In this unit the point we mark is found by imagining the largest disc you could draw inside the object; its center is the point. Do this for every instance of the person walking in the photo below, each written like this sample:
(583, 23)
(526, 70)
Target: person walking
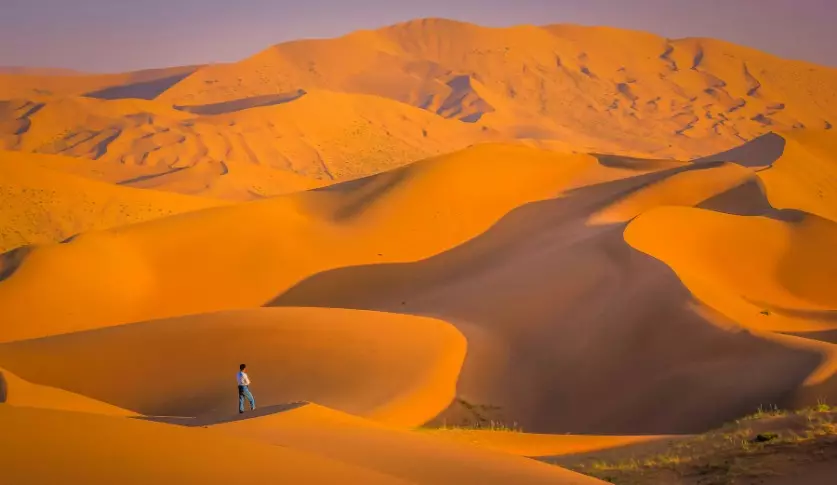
(244, 389)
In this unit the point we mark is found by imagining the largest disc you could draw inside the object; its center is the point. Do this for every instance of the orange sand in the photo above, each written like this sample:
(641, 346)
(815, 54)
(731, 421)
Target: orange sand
(431, 459)
(532, 444)
(91, 449)
(392, 368)
(15, 391)
(45, 206)
(194, 263)
(611, 290)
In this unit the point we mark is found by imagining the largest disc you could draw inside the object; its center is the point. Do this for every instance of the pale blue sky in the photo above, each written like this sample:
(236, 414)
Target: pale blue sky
(115, 35)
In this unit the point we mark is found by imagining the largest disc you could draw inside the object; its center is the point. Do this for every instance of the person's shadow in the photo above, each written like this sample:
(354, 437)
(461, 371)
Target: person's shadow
(215, 419)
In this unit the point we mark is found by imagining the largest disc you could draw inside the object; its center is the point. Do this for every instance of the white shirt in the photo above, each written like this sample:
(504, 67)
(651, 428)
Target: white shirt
(243, 379)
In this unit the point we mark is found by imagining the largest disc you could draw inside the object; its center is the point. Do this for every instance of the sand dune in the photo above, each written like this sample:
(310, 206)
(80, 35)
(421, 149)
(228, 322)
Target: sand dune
(44, 206)
(196, 263)
(242, 104)
(392, 368)
(240, 149)
(805, 177)
(432, 460)
(760, 260)
(511, 262)
(15, 391)
(85, 448)
(560, 292)
(144, 84)
(417, 89)
(688, 187)
(540, 445)
(669, 271)
(603, 89)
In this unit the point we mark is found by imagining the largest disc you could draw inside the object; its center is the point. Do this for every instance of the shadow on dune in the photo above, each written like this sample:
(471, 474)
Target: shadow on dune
(143, 178)
(631, 163)
(3, 388)
(750, 199)
(242, 104)
(827, 336)
(10, 261)
(760, 152)
(231, 418)
(572, 330)
(140, 90)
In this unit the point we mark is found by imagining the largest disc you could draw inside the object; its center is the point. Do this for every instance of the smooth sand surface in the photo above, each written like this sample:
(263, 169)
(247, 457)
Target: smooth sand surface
(46, 446)
(196, 263)
(688, 188)
(758, 259)
(392, 368)
(417, 456)
(15, 391)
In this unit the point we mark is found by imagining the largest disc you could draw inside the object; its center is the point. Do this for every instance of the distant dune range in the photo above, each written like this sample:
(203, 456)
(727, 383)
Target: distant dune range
(597, 237)
(379, 99)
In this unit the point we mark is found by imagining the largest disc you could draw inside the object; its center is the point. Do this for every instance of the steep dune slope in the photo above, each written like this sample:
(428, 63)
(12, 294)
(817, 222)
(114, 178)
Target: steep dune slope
(805, 177)
(244, 255)
(559, 313)
(758, 259)
(45, 206)
(45, 446)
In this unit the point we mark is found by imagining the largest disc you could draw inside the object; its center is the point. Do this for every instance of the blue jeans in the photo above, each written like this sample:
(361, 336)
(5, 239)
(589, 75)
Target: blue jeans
(242, 393)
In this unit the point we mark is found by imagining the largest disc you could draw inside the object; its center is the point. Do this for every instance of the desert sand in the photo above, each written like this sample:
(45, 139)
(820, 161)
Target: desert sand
(443, 250)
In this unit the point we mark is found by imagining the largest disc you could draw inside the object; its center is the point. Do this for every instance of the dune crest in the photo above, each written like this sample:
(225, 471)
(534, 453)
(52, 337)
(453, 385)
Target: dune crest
(589, 238)
(391, 368)
(86, 448)
(162, 266)
(15, 391)
(433, 460)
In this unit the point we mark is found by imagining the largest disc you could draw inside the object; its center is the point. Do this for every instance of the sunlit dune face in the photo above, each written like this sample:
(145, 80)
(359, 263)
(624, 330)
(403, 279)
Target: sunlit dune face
(440, 249)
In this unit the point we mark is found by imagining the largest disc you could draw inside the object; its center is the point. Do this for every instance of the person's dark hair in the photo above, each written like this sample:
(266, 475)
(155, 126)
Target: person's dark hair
(242, 366)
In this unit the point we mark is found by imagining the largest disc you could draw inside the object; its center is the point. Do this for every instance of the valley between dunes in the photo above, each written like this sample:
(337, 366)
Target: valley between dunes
(400, 234)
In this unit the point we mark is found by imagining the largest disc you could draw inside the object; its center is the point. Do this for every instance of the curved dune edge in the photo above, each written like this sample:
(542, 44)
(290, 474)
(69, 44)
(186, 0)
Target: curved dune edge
(757, 259)
(688, 186)
(539, 293)
(539, 445)
(194, 263)
(396, 369)
(431, 460)
(771, 277)
(15, 391)
(47, 446)
(805, 176)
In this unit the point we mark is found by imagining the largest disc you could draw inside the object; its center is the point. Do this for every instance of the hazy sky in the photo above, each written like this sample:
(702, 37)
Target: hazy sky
(114, 35)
